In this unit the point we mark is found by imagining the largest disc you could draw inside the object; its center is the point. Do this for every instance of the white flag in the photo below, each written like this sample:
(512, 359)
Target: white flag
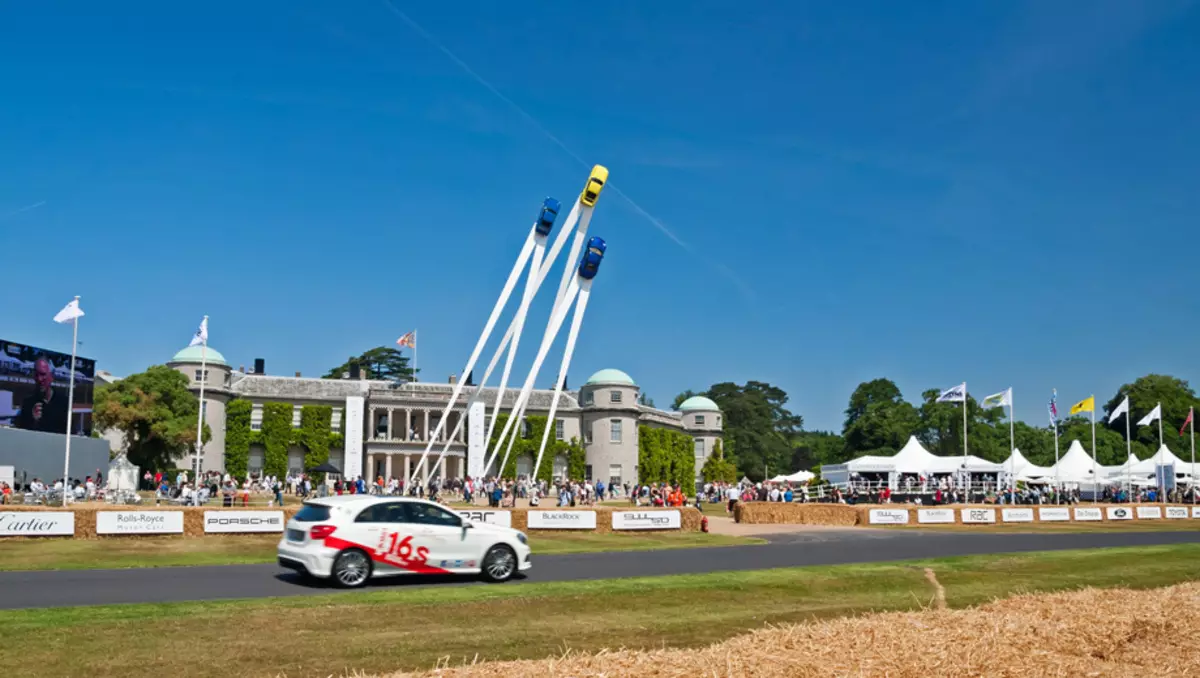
(1001, 399)
(1155, 415)
(1123, 408)
(956, 394)
(70, 312)
(201, 336)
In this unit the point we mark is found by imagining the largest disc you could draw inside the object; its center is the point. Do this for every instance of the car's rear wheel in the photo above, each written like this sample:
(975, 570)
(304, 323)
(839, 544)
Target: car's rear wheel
(500, 563)
(351, 569)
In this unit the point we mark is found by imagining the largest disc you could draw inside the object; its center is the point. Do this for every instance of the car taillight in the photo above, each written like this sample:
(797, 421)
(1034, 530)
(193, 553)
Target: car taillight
(321, 531)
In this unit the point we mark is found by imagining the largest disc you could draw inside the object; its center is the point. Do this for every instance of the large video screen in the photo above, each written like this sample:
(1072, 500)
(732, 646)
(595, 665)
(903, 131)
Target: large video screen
(34, 385)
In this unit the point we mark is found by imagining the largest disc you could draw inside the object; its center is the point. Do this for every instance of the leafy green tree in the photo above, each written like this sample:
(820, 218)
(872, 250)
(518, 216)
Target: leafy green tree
(942, 423)
(811, 449)
(1144, 394)
(878, 420)
(155, 412)
(757, 424)
(381, 362)
(646, 400)
(682, 397)
(718, 469)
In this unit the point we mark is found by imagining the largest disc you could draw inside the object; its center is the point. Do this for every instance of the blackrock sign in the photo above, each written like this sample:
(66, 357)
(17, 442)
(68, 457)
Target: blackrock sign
(501, 518)
(139, 522)
(562, 520)
(243, 521)
(37, 524)
(647, 520)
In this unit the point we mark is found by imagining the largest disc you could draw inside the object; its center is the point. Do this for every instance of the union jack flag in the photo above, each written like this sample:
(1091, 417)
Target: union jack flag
(1053, 407)
(409, 340)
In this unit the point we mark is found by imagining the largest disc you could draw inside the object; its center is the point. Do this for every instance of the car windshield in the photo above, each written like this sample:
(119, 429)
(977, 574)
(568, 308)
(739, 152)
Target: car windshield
(312, 513)
(595, 250)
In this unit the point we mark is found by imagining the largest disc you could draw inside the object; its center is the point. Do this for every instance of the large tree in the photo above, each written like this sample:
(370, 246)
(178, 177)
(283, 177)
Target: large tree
(757, 425)
(942, 425)
(682, 397)
(811, 449)
(156, 414)
(1145, 394)
(381, 362)
(878, 419)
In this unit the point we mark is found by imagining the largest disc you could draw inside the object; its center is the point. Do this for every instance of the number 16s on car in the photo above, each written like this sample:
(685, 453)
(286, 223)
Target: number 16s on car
(352, 538)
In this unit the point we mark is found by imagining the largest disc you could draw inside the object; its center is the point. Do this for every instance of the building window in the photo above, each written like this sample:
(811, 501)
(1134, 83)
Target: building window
(589, 397)
(587, 434)
(614, 434)
(560, 429)
(718, 420)
(587, 472)
(295, 416)
(614, 396)
(699, 419)
(526, 430)
(256, 414)
(205, 378)
(335, 421)
(699, 448)
(228, 379)
(614, 475)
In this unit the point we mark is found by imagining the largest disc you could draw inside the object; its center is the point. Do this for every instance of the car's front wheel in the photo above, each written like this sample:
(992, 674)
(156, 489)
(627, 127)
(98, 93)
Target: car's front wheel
(500, 563)
(351, 569)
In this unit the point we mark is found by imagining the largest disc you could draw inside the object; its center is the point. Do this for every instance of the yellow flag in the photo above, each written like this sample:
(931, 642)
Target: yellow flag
(1088, 405)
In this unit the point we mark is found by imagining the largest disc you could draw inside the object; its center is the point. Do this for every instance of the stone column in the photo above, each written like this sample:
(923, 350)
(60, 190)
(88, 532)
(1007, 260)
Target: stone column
(391, 415)
(407, 424)
(425, 433)
(407, 468)
(388, 461)
(372, 423)
(369, 472)
(462, 430)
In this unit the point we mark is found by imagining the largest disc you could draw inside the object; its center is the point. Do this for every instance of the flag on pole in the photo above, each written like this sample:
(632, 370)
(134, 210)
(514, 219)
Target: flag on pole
(408, 340)
(1054, 407)
(201, 336)
(69, 312)
(1123, 408)
(1085, 405)
(1155, 415)
(1191, 411)
(955, 394)
(1001, 399)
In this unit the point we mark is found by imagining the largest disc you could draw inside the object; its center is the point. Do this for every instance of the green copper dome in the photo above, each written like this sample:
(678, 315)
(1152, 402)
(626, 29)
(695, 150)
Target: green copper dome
(697, 404)
(610, 376)
(191, 354)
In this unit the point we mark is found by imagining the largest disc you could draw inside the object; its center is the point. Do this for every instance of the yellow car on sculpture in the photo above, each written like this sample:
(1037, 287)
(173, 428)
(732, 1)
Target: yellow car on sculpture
(595, 184)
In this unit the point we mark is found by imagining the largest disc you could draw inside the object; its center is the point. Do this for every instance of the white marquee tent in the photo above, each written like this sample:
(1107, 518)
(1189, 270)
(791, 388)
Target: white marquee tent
(1073, 467)
(1023, 469)
(797, 477)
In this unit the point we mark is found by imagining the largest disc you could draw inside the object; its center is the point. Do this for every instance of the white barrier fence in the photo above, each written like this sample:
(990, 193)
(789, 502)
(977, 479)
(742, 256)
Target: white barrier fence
(990, 516)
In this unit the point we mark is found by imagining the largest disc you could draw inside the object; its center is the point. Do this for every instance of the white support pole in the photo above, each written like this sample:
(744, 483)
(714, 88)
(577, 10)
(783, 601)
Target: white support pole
(1192, 485)
(966, 470)
(1162, 489)
(576, 323)
(1012, 447)
(416, 377)
(200, 417)
(1128, 453)
(70, 407)
(1160, 418)
(1095, 464)
(1057, 473)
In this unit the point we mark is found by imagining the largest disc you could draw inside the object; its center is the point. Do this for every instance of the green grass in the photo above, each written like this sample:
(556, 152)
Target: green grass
(81, 554)
(395, 628)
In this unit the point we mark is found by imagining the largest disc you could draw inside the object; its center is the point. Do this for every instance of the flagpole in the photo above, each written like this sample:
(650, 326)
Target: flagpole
(1057, 481)
(1095, 464)
(200, 414)
(70, 404)
(414, 348)
(1160, 418)
(1012, 445)
(968, 472)
(1192, 418)
(1128, 449)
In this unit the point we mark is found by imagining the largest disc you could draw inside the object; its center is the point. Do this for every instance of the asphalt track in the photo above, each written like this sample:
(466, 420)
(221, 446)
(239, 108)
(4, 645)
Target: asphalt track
(69, 588)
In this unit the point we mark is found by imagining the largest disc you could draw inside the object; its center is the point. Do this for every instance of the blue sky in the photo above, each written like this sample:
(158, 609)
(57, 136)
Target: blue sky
(998, 192)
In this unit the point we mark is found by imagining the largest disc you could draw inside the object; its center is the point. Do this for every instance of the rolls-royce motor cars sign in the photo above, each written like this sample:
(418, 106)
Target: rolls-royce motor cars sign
(501, 518)
(243, 521)
(37, 523)
(139, 522)
(562, 520)
(647, 520)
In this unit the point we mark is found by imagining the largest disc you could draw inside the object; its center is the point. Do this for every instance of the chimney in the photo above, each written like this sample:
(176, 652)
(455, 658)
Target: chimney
(471, 378)
(453, 378)
(242, 369)
(297, 374)
(260, 366)
(355, 373)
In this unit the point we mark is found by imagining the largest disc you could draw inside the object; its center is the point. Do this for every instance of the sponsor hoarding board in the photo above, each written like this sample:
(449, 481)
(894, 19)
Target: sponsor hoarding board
(37, 524)
(1176, 512)
(243, 521)
(1149, 512)
(647, 520)
(970, 515)
(889, 516)
(928, 516)
(1196, 511)
(1054, 514)
(1089, 514)
(34, 384)
(501, 518)
(139, 522)
(1119, 513)
(562, 520)
(1017, 515)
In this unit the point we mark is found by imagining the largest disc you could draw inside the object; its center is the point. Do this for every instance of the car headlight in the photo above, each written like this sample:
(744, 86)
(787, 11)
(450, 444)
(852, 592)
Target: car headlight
(522, 538)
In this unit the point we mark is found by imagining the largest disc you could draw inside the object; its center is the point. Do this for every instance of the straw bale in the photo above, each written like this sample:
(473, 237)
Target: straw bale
(85, 518)
(1093, 632)
(759, 513)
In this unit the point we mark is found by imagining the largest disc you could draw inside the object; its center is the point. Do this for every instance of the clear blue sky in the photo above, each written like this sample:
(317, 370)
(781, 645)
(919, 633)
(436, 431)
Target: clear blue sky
(1000, 192)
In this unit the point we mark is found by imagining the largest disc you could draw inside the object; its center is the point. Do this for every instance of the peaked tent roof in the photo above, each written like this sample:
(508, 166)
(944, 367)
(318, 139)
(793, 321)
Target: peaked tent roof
(1075, 466)
(1022, 468)
(1123, 467)
(914, 458)
(870, 463)
(1165, 457)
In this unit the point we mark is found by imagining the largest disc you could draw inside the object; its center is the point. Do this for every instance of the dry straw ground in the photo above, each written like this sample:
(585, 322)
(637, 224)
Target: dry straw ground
(1093, 632)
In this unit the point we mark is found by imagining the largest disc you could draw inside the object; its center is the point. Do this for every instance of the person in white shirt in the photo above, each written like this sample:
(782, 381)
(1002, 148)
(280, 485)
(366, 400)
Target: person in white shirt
(732, 495)
(776, 495)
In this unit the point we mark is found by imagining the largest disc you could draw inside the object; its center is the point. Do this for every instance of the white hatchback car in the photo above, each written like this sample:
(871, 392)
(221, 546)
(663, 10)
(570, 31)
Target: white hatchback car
(352, 538)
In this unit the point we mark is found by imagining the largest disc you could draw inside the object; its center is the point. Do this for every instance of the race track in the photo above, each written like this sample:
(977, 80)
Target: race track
(176, 584)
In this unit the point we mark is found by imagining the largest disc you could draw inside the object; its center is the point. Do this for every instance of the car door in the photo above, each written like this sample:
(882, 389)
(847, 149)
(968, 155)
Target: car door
(450, 545)
(381, 529)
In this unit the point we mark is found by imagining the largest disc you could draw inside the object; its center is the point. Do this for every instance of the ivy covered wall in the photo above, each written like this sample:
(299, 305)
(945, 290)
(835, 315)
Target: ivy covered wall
(666, 456)
(237, 437)
(527, 445)
(277, 435)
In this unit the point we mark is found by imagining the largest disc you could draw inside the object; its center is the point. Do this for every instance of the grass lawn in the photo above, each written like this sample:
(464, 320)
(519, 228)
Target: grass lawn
(385, 630)
(79, 554)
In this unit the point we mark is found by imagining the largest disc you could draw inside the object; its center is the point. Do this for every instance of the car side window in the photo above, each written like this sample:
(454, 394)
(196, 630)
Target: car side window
(392, 512)
(427, 514)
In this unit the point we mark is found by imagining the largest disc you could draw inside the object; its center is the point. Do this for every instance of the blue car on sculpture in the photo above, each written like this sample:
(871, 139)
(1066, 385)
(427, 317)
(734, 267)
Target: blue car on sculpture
(549, 213)
(591, 258)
